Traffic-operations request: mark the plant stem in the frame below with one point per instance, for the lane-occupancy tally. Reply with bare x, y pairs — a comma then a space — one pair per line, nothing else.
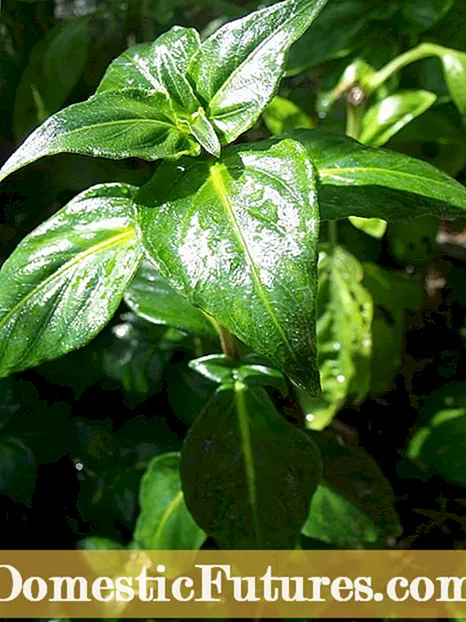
227, 340
332, 233
418, 53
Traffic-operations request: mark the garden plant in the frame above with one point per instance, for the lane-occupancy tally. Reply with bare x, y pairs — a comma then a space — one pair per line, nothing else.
232, 302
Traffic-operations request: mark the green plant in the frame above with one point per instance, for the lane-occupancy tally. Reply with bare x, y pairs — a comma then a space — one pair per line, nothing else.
223, 242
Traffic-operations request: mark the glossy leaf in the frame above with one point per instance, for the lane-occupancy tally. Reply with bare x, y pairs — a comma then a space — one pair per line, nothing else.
65, 280
55, 66
140, 65
164, 522
390, 115
161, 66
129, 123
439, 445
357, 180
248, 476
238, 238
151, 298
238, 68
283, 115
354, 505
344, 316
225, 370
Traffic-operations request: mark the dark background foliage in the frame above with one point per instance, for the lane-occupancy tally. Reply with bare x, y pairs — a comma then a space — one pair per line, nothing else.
78, 433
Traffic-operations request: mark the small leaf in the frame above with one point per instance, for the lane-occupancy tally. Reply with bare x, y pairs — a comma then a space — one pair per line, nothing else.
226, 371
390, 115
139, 66
129, 123
394, 294
164, 522
248, 475
439, 445
65, 280
454, 69
283, 115
162, 66
151, 298
344, 316
375, 227
55, 66
238, 68
377, 183
238, 238
354, 504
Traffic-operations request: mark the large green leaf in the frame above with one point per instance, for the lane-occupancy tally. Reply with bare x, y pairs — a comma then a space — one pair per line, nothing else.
238, 238
65, 280
344, 316
150, 297
248, 476
55, 65
454, 70
357, 180
390, 115
128, 123
354, 504
161, 66
164, 522
440, 444
238, 68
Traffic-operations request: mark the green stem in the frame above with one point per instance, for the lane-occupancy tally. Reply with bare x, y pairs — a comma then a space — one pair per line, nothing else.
332, 233
418, 53
227, 340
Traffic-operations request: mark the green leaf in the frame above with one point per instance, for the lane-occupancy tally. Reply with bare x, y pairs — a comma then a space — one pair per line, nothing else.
140, 65
353, 505
129, 123
454, 70
65, 280
224, 370
390, 115
55, 66
283, 115
238, 238
375, 227
371, 182
162, 66
440, 444
248, 475
344, 316
151, 298
164, 522
413, 243
425, 13
136, 358
238, 68
394, 294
